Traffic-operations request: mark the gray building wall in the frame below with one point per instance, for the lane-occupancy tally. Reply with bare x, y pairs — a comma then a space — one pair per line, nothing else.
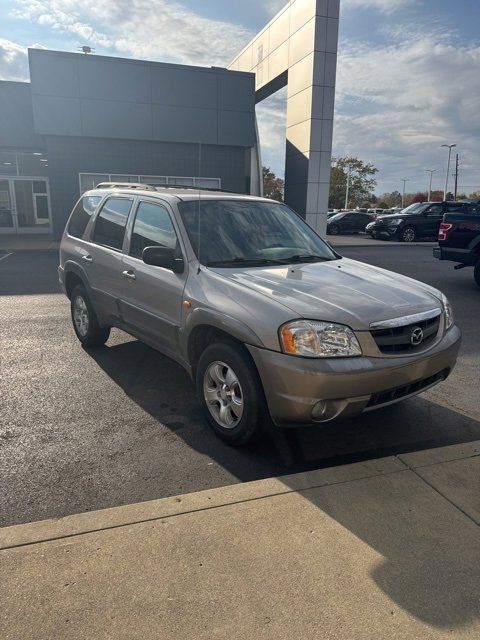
93, 114
16, 117
96, 96
68, 156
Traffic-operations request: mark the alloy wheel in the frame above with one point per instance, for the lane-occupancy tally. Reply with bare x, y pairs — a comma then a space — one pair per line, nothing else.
408, 234
80, 316
223, 394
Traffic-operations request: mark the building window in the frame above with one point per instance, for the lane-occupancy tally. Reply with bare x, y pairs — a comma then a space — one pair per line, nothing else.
90, 180
23, 163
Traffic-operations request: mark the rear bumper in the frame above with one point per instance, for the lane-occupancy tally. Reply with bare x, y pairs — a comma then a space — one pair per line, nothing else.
349, 386
462, 256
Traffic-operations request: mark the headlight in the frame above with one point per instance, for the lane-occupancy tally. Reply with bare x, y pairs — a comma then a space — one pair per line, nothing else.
314, 339
395, 223
447, 307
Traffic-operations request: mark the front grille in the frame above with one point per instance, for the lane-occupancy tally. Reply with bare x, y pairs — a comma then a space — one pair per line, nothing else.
401, 392
399, 339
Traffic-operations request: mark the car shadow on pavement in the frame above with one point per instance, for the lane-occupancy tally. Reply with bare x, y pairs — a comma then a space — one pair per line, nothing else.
164, 390
427, 563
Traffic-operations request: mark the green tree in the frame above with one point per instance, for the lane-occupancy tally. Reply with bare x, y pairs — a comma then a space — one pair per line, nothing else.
361, 182
273, 187
392, 199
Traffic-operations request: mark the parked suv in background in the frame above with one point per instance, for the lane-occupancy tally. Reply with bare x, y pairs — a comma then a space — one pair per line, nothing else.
419, 221
347, 222
267, 319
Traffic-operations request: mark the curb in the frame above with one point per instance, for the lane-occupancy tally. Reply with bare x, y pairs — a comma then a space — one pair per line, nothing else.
115, 517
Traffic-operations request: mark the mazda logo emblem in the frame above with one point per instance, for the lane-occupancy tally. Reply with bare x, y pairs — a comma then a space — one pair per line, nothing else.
416, 337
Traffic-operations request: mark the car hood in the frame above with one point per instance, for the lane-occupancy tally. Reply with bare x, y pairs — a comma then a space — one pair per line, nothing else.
343, 291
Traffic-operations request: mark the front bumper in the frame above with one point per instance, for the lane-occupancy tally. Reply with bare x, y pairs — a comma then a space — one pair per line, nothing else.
384, 231
349, 386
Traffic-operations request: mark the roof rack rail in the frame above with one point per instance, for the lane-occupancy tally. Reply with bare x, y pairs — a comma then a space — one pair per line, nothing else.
192, 188
125, 185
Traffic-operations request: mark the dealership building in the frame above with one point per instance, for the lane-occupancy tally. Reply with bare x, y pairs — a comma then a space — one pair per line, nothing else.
86, 119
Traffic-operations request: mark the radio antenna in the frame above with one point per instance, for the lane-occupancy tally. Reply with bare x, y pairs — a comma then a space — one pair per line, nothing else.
199, 228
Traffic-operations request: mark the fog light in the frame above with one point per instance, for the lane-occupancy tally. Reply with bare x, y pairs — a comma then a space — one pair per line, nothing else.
319, 410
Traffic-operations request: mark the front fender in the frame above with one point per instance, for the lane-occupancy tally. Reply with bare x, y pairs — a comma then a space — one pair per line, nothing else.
228, 324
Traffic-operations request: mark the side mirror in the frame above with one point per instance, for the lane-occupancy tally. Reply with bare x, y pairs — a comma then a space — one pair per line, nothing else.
162, 257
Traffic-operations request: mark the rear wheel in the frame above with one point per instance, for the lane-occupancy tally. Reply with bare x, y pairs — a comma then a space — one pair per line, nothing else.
476, 273
333, 230
230, 392
408, 234
85, 321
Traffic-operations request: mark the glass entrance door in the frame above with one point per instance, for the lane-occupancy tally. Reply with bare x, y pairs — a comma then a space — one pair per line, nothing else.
24, 205
6, 207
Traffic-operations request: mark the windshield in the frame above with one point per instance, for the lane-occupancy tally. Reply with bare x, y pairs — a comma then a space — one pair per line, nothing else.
418, 207
252, 232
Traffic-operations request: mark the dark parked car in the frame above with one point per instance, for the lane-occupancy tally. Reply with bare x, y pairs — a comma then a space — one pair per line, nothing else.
419, 221
459, 239
348, 222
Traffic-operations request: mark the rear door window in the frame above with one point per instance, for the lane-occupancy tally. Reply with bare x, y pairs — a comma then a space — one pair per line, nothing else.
435, 211
81, 214
111, 223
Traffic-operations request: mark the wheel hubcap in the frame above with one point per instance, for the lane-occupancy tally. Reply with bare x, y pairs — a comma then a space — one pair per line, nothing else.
80, 316
223, 394
409, 235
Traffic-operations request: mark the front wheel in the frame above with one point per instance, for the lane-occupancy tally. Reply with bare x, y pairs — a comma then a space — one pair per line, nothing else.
85, 321
476, 273
230, 392
408, 234
333, 230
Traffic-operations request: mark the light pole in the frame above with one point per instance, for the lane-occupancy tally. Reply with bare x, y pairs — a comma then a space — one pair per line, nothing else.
404, 180
449, 147
431, 172
349, 168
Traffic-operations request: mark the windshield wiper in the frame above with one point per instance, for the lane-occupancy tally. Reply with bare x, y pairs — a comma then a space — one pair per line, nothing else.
307, 258
244, 261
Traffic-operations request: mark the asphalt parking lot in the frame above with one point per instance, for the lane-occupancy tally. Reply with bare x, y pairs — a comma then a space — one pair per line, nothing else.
83, 430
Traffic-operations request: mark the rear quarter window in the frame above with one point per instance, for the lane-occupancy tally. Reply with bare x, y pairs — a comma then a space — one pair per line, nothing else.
81, 214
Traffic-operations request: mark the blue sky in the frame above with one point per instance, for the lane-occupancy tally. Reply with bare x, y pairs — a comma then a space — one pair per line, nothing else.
408, 70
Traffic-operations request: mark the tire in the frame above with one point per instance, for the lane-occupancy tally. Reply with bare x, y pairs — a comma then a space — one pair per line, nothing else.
408, 234
228, 378
476, 273
333, 230
85, 321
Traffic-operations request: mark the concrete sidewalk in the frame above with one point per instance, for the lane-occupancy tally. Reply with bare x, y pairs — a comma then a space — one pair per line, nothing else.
386, 549
27, 242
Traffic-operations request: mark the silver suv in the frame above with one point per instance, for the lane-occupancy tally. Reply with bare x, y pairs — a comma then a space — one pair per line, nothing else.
269, 321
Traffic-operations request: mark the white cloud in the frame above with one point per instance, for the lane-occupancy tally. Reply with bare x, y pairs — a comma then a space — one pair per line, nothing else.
13, 60
397, 104
271, 118
160, 30
385, 6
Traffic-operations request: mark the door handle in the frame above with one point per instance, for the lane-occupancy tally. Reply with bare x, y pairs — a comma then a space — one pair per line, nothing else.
129, 275
88, 258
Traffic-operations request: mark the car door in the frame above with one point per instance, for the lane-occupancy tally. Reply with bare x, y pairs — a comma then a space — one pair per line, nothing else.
152, 296
362, 220
102, 257
432, 217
